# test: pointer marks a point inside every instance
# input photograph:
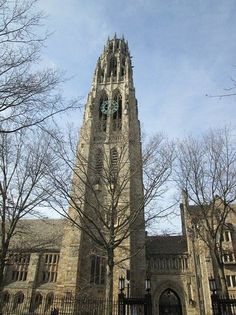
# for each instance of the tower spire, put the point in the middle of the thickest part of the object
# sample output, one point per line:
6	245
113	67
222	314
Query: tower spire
115	64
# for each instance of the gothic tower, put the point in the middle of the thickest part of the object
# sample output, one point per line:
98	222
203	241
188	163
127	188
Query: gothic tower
108	185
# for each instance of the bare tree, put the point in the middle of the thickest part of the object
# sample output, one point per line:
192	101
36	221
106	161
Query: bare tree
102	183
25	158
207	174
28	96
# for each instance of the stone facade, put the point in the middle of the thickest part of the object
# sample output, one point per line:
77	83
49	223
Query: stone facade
68	262
111	130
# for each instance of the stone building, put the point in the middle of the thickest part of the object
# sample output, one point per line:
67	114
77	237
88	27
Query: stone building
58	259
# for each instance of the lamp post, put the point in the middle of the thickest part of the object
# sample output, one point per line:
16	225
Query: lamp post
212	284
121	284
134	302
121	296
214	297
148	304
148	285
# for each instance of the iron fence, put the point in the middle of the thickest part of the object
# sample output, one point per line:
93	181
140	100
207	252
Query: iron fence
137	306
19	305
222	305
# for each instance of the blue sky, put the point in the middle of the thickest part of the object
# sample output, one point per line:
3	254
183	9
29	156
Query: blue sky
182	50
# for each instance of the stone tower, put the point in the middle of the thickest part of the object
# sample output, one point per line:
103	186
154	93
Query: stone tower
107	185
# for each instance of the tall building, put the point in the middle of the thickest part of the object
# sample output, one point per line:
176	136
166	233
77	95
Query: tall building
59	259
108	182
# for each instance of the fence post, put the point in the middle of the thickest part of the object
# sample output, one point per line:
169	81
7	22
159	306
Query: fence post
121	304
215	301
148	304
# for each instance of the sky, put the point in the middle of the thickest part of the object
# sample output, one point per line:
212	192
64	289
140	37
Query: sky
182	51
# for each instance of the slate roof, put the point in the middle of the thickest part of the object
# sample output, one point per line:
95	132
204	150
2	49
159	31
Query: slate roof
163	244
38	234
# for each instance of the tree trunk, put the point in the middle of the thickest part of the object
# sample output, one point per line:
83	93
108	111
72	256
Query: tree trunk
109	283
2	267
219	275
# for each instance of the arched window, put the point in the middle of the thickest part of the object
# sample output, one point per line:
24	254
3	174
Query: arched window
117	116
49	301
102	113
37	301
38	298
6	297
18	299
169	303
112	66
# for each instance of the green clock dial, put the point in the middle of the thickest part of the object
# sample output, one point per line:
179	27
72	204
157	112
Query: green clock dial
109	107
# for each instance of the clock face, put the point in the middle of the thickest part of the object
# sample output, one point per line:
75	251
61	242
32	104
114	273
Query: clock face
109	107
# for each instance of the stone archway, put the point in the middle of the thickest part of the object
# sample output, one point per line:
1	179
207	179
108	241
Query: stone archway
169	303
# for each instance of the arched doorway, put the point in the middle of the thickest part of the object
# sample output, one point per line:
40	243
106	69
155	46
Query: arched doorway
169	303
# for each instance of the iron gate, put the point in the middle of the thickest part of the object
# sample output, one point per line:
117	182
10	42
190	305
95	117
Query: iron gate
134	306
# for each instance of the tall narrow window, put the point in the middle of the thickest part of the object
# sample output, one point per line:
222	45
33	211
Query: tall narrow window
122	70
20	264
117	45
112	66
227	236
97	274
231	281
113	164
50	267
98	162
49	301
117	116
98	167
102	76
111	46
